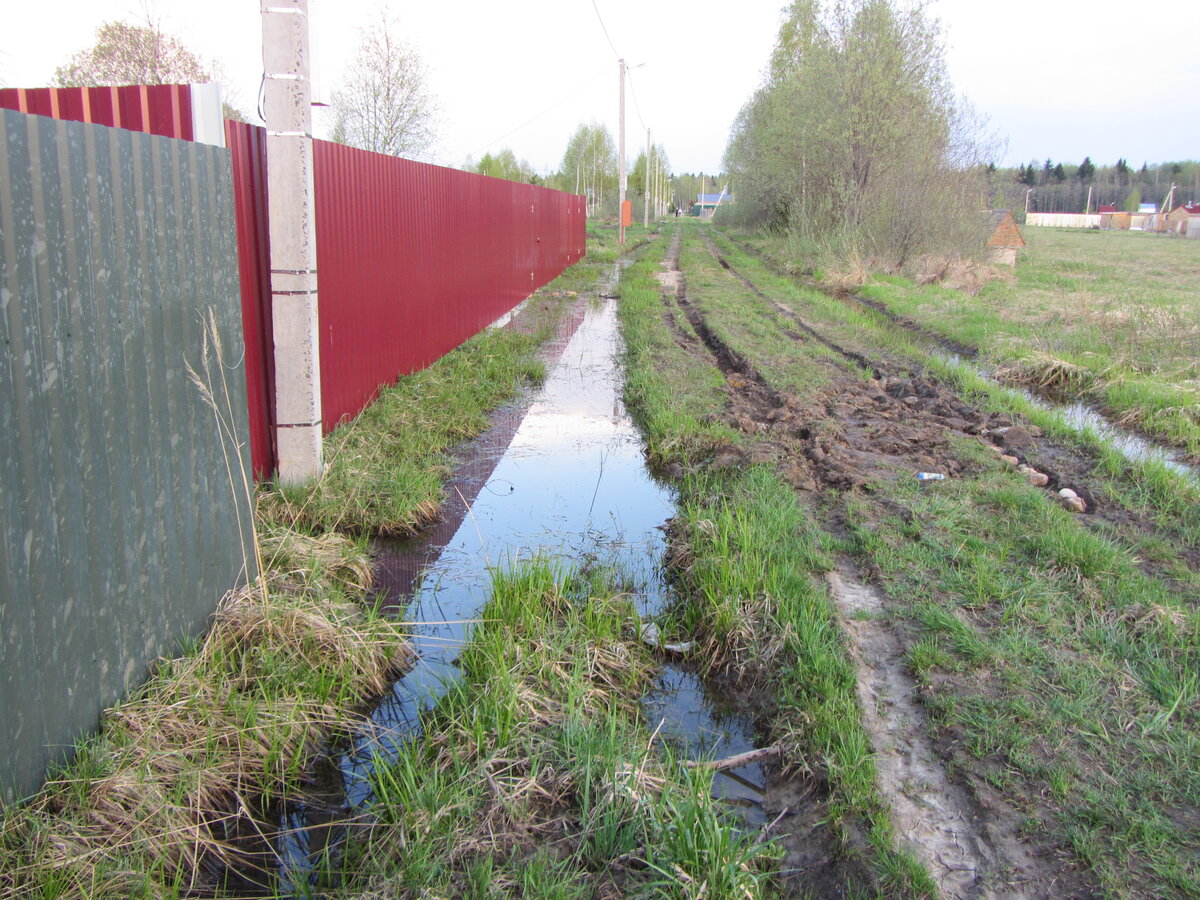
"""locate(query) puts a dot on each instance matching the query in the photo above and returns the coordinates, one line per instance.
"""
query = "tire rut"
(1021, 444)
(856, 358)
(971, 851)
(852, 432)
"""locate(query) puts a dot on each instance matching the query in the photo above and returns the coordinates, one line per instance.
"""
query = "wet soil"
(1136, 445)
(854, 433)
(857, 431)
(969, 850)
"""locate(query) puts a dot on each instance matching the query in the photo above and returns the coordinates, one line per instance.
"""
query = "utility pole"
(646, 191)
(621, 161)
(287, 99)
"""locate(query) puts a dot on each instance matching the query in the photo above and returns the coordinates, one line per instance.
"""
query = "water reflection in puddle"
(703, 725)
(565, 479)
(1086, 418)
(571, 483)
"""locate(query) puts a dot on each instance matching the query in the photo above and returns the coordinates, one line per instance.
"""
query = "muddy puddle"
(562, 477)
(1083, 417)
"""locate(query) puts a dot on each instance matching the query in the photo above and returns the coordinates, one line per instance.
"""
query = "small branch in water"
(767, 828)
(736, 761)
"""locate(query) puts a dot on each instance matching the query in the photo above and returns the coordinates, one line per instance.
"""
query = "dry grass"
(957, 273)
(1045, 371)
(154, 806)
(848, 275)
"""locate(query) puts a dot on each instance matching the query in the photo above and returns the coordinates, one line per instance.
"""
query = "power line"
(549, 108)
(637, 108)
(605, 30)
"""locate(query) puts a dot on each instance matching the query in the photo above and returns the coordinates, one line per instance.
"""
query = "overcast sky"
(1055, 78)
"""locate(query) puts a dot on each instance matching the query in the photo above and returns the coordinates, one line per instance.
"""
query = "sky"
(1061, 79)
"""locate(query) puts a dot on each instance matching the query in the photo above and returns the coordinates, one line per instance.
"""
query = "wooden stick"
(736, 761)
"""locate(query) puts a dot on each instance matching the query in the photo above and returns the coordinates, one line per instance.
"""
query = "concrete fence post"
(287, 97)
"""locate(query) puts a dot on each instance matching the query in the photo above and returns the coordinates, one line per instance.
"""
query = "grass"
(678, 397)
(159, 803)
(1063, 671)
(1147, 488)
(748, 556)
(536, 776)
(1108, 317)
(384, 471)
(178, 784)
(1056, 667)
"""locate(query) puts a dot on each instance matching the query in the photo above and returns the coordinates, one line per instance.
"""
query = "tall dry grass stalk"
(156, 804)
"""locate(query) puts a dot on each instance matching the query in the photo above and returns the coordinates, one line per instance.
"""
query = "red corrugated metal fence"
(248, 156)
(412, 259)
(163, 109)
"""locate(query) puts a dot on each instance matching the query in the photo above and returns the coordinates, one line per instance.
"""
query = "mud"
(849, 436)
(1135, 445)
(859, 431)
(970, 851)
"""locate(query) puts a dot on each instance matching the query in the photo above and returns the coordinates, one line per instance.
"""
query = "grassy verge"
(749, 556)
(179, 783)
(384, 471)
(1059, 671)
(172, 790)
(535, 776)
(1108, 317)
(1064, 677)
(676, 393)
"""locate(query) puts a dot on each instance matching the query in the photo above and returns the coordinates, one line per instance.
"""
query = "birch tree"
(589, 167)
(385, 103)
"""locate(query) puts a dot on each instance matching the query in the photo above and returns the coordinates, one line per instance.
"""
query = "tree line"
(855, 142)
(1070, 188)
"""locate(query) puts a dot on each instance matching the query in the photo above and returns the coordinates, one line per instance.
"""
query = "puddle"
(1131, 446)
(699, 724)
(563, 477)
(1086, 418)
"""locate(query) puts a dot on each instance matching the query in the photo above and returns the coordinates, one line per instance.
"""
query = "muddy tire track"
(970, 851)
(1112, 419)
(856, 358)
(854, 431)
(1021, 444)
(850, 298)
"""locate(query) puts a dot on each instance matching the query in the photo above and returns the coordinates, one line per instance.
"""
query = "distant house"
(1185, 220)
(1004, 238)
(706, 204)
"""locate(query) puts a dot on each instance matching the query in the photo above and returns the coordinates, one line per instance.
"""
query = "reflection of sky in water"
(572, 484)
(698, 727)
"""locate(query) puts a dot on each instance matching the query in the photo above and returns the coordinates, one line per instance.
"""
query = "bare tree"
(385, 103)
(138, 54)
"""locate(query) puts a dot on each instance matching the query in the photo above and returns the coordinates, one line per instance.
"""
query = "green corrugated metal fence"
(122, 514)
